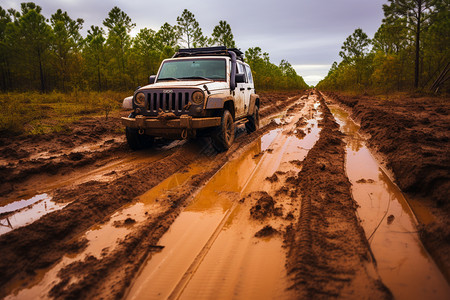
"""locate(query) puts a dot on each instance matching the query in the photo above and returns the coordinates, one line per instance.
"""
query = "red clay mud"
(81, 144)
(329, 255)
(264, 207)
(28, 249)
(412, 134)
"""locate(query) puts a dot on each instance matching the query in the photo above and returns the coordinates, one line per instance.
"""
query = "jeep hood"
(212, 85)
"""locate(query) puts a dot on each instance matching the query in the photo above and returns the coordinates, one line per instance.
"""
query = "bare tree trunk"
(98, 75)
(41, 72)
(416, 67)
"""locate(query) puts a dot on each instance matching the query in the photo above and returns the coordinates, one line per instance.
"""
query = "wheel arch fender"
(217, 101)
(254, 101)
(221, 101)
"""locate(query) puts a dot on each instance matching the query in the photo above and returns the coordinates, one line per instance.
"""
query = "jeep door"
(240, 92)
(249, 88)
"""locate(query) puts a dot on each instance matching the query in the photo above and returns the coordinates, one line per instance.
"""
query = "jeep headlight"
(139, 100)
(198, 97)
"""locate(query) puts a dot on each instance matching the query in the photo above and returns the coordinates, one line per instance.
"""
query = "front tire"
(138, 141)
(223, 137)
(253, 121)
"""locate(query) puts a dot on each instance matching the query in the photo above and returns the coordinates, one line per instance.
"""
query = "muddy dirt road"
(298, 209)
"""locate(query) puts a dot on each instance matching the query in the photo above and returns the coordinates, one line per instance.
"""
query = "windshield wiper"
(195, 77)
(169, 78)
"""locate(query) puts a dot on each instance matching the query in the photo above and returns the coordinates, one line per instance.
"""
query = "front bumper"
(183, 122)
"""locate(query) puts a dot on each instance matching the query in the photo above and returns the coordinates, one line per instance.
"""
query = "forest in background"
(51, 76)
(40, 54)
(410, 51)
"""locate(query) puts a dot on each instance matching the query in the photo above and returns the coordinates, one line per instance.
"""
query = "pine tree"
(94, 54)
(119, 42)
(66, 39)
(223, 36)
(29, 36)
(190, 31)
(417, 14)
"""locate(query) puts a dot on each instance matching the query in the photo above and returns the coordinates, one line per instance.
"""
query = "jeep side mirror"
(240, 78)
(151, 79)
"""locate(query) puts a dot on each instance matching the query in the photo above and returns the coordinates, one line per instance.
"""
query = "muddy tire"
(253, 121)
(223, 137)
(138, 141)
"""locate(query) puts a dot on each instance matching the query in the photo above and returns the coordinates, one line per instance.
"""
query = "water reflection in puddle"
(403, 263)
(24, 212)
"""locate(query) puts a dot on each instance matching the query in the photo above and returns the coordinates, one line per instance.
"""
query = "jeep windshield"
(193, 69)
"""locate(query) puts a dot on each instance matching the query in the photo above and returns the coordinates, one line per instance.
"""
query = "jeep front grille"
(174, 102)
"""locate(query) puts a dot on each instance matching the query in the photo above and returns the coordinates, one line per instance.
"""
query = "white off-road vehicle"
(197, 92)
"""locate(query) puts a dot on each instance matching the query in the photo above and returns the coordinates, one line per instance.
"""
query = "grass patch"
(35, 113)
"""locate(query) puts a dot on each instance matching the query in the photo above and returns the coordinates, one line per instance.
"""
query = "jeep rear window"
(192, 69)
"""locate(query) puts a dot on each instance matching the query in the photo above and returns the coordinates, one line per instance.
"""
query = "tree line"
(409, 51)
(40, 54)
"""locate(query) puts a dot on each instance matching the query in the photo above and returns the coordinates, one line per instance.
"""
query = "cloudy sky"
(307, 33)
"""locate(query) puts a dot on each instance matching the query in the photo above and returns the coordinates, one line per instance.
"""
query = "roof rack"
(219, 50)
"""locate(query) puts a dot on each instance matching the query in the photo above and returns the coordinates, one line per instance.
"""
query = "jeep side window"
(249, 74)
(241, 69)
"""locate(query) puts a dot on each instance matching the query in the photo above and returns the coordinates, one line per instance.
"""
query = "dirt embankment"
(329, 255)
(414, 136)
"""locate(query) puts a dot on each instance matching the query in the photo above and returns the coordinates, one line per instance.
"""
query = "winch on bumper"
(183, 126)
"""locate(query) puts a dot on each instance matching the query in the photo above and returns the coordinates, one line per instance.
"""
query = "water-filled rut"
(388, 221)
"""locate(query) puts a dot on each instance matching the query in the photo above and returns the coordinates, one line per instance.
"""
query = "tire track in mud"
(211, 261)
(416, 151)
(110, 276)
(329, 255)
(44, 242)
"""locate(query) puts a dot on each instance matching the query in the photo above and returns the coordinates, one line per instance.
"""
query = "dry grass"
(35, 113)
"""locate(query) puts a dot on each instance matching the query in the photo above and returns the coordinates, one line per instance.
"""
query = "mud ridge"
(276, 102)
(413, 134)
(329, 255)
(23, 153)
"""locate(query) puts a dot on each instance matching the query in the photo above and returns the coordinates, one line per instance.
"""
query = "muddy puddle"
(25, 211)
(103, 238)
(389, 223)
(34, 200)
(211, 250)
(100, 171)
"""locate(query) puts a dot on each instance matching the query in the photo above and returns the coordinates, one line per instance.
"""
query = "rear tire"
(223, 137)
(138, 141)
(253, 121)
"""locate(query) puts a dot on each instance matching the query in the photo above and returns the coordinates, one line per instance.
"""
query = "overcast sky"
(307, 33)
